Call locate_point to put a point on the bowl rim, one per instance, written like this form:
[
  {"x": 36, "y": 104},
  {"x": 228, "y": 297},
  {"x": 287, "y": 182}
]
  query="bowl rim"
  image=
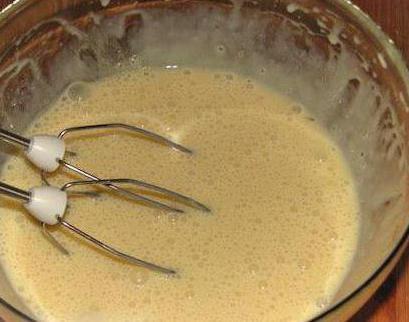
[
  {"x": 402, "y": 68},
  {"x": 368, "y": 282}
]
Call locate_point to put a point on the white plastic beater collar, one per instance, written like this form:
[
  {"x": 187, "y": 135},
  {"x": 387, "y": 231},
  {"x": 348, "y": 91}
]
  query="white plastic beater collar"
[
  {"x": 45, "y": 151},
  {"x": 47, "y": 203}
]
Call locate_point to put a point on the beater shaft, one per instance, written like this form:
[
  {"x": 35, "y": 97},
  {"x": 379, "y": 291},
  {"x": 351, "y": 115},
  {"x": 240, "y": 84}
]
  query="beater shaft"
[
  {"x": 14, "y": 192},
  {"x": 14, "y": 138}
]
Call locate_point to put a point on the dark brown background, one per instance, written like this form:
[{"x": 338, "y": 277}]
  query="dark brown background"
[{"x": 391, "y": 303}]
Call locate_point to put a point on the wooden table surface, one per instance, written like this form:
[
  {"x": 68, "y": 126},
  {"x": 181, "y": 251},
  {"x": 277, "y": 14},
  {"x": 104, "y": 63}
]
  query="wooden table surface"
[{"x": 391, "y": 302}]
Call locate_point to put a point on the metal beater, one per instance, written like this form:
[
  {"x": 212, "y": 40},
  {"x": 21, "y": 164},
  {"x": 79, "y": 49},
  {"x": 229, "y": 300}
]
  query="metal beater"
[{"x": 48, "y": 204}]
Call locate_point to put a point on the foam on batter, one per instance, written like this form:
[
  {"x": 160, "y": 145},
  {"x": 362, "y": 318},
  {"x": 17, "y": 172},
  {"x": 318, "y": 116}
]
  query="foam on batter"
[{"x": 284, "y": 221}]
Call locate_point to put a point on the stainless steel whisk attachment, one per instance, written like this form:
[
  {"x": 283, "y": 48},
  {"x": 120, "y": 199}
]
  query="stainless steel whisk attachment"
[{"x": 48, "y": 204}]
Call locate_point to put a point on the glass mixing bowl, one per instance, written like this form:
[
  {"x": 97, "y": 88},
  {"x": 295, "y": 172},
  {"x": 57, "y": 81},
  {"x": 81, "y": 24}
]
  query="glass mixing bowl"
[{"x": 34, "y": 35}]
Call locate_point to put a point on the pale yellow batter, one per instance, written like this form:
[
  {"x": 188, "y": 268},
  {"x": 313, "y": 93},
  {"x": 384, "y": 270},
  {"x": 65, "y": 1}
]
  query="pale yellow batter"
[{"x": 279, "y": 240}]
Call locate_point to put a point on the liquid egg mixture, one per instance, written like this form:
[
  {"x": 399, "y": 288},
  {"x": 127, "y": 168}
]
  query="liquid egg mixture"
[{"x": 276, "y": 246}]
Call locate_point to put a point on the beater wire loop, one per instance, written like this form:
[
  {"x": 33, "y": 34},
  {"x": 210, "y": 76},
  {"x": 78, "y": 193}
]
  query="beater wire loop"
[
  {"x": 138, "y": 183},
  {"x": 148, "y": 134},
  {"x": 113, "y": 251}
]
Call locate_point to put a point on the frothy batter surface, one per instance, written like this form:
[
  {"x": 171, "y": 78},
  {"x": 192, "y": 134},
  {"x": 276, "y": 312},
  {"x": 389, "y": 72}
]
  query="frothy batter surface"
[{"x": 276, "y": 247}]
